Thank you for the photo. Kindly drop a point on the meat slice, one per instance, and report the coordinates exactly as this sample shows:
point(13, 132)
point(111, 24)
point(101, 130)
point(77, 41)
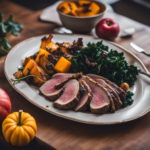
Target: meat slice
point(85, 99)
point(112, 100)
point(48, 88)
point(113, 93)
point(118, 90)
point(74, 76)
point(100, 102)
point(61, 76)
point(70, 96)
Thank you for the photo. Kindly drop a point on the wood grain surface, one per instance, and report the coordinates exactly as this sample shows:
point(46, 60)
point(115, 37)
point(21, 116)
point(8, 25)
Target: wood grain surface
point(65, 134)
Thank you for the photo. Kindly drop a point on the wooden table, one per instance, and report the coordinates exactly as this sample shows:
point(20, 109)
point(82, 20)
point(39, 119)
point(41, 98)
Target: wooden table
point(65, 134)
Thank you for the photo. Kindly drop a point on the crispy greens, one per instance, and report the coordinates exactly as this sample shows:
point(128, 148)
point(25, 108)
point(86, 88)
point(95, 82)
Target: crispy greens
point(113, 67)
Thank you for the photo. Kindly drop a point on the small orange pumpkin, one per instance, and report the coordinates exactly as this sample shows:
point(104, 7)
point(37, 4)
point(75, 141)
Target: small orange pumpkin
point(19, 128)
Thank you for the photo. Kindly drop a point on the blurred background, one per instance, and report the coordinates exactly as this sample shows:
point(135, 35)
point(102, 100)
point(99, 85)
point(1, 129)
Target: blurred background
point(138, 10)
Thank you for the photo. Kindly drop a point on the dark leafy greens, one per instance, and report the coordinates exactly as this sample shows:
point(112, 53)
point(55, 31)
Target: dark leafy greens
point(4, 46)
point(8, 25)
point(128, 100)
point(114, 67)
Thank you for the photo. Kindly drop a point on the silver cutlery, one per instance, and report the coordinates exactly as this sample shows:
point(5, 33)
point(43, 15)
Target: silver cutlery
point(127, 32)
point(139, 49)
point(142, 72)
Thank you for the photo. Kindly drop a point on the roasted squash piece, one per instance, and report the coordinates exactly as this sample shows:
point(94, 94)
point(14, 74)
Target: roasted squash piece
point(64, 47)
point(45, 65)
point(41, 52)
point(28, 67)
point(84, 3)
point(47, 41)
point(18, 74)
point(63, 7)
point(27, 59)
point(68, 8)
point(39, 72)
point(63, 65)
point(93, 9)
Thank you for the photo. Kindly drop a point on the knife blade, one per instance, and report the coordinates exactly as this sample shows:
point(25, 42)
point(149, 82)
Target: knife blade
point(137, 48)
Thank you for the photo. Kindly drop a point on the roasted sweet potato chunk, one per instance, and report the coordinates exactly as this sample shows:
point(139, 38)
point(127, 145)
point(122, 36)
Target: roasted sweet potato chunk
point(47, 42)
point(45, 65)
point(41, 52)
point(39, 72)
point(28, 67)
point(18, 74)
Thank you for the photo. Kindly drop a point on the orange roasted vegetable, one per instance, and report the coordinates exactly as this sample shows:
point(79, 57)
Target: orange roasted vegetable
point(19, 128)
point(84, 3)
point(45, 65)
point(18, 74)
point(92, 10)
point(41, 52)
point(28, 67)
point(68, 8)
point(86, 8)
point(39, 72)
point(26, 60)
point(47, 41)
point(63, 65)
point(64, 47)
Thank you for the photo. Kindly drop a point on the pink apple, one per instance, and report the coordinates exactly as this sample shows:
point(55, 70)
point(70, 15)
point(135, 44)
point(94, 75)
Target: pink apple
point(107, 29)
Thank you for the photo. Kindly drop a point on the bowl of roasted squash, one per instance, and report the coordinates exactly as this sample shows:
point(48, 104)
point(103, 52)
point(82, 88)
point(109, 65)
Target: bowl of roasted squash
point(81, 16)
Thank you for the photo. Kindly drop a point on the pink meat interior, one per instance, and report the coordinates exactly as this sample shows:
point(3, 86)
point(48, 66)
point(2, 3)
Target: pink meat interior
point(101, 82)
point(70, 92)
point(82, 100)
point(48, 87)
point(92, 76)
point(100, 98)
point(62, 76)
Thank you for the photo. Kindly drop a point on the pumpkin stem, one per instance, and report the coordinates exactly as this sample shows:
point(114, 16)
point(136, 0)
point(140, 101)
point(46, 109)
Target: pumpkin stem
point(19, 122)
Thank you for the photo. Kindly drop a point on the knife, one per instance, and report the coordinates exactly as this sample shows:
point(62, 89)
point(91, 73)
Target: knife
point(139, 49)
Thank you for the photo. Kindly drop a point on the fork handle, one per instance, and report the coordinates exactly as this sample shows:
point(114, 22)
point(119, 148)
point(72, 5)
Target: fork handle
point(142, 72)
point(146, 53)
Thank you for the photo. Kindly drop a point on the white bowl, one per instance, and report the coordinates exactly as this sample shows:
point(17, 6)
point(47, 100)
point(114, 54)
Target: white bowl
point(82, 24)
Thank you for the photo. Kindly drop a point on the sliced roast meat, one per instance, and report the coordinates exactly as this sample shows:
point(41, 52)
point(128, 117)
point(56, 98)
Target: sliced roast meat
point(48, 88)
point(118, 90)
point(85, 99)
point(74, 76)
point(112, 100)
point(113, 93)
point(100, 102)
point(61, 76)
point(70, 97)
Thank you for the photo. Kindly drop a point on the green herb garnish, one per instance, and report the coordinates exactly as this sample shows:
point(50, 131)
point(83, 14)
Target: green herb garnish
point(8, 25)
point(20, 68)
point(20, 79)
point(57, 43)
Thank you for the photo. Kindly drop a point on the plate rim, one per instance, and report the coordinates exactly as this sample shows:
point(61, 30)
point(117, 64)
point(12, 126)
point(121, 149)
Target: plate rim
point(66, 117)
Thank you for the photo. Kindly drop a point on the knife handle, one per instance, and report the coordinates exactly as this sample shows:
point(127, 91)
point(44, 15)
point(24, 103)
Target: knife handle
point(146, 53)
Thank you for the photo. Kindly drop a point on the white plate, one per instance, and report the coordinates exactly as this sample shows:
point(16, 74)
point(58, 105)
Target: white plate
point(141, 90)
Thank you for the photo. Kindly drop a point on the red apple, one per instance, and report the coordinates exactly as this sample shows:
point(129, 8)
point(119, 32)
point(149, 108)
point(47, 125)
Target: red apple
point(5, 105)
point(107, 29)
